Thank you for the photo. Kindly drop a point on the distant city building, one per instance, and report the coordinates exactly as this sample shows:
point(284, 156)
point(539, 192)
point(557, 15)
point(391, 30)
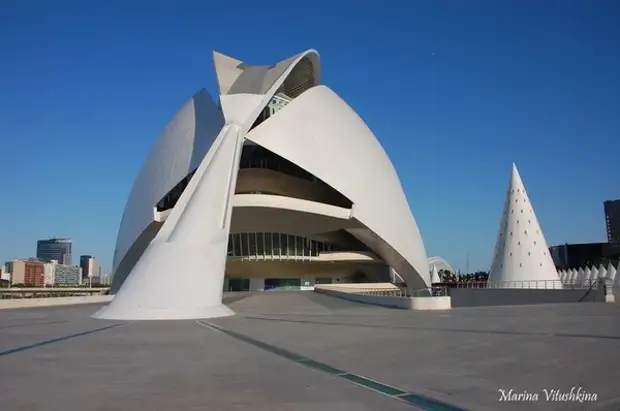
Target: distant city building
point(49, 272)
point(5, 275)
point(105, 279)
point(90, 267)
point(28, 272)
point(612, 220)
point(58, 249)
point(67, 274)
point(577, 255)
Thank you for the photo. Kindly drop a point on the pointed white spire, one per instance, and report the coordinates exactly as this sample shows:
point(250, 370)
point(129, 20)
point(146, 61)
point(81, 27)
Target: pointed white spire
point(581, 274)
point(227, 70)
point(521, 252)
point(575, 275)
point(602, 271)
point(594, 273)
point(587, 274)
point(611, 273)
point(435, 275)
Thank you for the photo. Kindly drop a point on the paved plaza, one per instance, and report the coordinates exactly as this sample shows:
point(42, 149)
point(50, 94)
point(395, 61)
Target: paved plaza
point(303, 351)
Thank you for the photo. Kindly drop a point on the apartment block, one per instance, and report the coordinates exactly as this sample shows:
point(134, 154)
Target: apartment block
point(28, 272)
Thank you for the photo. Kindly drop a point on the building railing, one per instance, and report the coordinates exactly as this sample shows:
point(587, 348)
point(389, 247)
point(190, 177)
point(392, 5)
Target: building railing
point(530, 284)
point(404, 292)
point(19, 293)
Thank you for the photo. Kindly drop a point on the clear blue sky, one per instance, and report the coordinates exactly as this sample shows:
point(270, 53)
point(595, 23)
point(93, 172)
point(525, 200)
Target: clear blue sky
point(455, 91)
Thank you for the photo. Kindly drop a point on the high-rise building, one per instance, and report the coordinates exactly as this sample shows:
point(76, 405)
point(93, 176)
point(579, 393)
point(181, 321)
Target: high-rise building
point(90, 266)
point(612, 220)
point(58, 249)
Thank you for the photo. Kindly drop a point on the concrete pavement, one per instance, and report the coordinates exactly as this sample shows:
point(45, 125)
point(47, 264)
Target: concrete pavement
point(280, 352)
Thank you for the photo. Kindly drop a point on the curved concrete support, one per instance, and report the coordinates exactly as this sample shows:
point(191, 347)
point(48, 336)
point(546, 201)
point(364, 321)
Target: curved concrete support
point(189, 249)
point(180, 148)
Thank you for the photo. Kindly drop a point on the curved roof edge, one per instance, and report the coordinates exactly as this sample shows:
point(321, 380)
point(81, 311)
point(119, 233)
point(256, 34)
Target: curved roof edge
point(440, 263)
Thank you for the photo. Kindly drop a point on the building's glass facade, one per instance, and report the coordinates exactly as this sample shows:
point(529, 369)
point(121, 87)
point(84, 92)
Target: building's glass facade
point(58, 249)
point(274, 246)
point(612, 220)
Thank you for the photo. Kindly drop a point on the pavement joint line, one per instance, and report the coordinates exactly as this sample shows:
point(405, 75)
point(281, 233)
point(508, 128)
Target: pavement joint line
point(31, 324)
point(440, 329)
point(420, 402)
point(58, 339)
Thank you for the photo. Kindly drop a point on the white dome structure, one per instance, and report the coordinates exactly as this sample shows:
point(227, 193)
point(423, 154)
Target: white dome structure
point(281, 170)
point(521, 258)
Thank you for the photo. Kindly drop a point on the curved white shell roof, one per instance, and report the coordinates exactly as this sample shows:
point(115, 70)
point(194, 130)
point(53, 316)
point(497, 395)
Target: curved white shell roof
point(180, 148)
point(317, 131)
point(521, 252)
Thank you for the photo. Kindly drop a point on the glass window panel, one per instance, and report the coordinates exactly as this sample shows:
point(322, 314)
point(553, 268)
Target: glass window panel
point(252, 242)
point(237, 244)
point(246, 244)
point(276, 244)
point(283, 244)
point(268, 244)
point(291, 245)
point(230, 245)
point(260, 244)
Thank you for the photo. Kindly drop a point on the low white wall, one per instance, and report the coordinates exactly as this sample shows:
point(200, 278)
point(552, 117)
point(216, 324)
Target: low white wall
point(53, 301)
point(356, 287)
point(405, 303)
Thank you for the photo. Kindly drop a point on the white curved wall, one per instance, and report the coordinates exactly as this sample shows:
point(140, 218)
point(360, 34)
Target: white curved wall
point(320, 133)
point(180, 148)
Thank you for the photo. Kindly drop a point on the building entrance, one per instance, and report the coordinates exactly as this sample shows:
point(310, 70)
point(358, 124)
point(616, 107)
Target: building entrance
point(239, 284)
point(274, 284)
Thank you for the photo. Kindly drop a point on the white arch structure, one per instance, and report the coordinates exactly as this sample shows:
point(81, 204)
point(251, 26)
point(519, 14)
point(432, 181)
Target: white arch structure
point(440, 263)
point(171, 264)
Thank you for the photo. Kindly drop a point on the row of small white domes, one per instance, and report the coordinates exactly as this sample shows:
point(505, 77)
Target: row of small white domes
point(590, 274)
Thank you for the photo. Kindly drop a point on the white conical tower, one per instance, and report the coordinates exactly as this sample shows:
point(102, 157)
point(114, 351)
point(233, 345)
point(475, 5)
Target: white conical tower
point(521, 257)
point(611, 272)
point(435, 275)
point(602, 271)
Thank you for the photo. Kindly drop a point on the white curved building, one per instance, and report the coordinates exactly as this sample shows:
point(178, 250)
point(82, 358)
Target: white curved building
point(280, 184)
point(521, 258)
